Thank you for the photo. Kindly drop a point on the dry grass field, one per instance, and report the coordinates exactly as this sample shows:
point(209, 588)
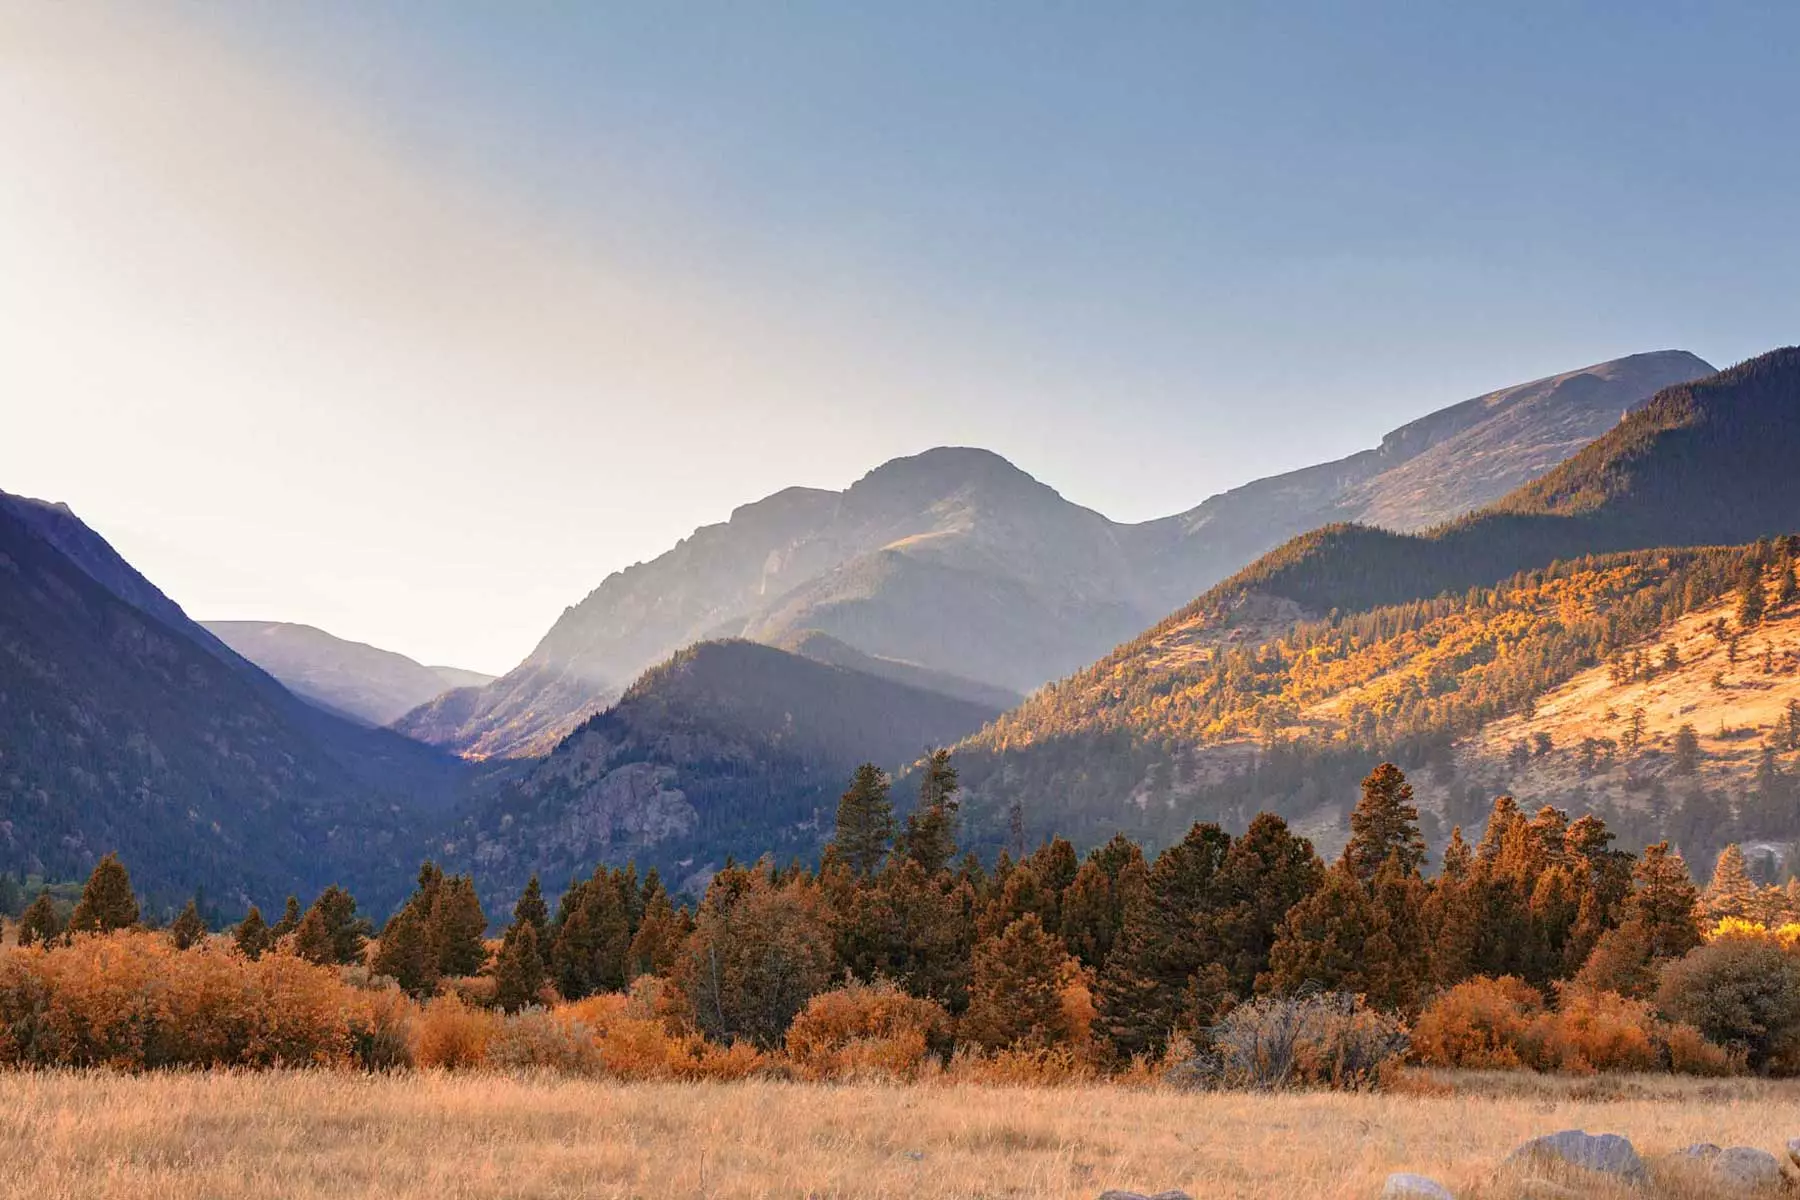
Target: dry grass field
point(413, 1136)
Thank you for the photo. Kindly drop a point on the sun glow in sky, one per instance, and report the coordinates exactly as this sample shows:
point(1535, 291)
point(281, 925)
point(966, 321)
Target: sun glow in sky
point(413, 322)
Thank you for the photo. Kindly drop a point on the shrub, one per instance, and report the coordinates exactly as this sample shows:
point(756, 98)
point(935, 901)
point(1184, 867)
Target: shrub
point(381, 1027)
point(1478, 1024)
point(1741, 991)
point(131, 1001)
point(537, 1039)
point(1325, 1040)
point(450, 1034)
point(863, 1029)
point(1597, 1031)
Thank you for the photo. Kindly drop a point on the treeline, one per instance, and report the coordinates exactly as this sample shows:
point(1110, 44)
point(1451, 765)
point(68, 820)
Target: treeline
point(1108, 960)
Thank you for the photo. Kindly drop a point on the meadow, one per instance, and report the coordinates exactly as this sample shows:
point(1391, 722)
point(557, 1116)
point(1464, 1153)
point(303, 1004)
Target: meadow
point(443, 1135)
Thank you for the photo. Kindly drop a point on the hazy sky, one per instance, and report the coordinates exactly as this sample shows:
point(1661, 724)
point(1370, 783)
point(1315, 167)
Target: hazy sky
point(414, 321)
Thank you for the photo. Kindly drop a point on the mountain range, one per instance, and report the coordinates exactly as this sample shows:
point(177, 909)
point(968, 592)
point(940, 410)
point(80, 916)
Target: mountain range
point(712, 701)
point(956, 562)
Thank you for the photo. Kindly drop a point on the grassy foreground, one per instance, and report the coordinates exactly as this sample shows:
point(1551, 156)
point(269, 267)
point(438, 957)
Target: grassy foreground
point(435, 1135)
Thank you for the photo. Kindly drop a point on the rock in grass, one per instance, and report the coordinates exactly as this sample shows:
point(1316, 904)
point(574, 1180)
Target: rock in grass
point(1794, 1150)
point(1168, 1195)
point(1700, 1150)
point(1602, 1153)
point(1747, 1169)
point(1404, 1186)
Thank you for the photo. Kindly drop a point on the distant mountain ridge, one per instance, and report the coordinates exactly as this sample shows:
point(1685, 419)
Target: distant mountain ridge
point(954, 561)
point(368, 683)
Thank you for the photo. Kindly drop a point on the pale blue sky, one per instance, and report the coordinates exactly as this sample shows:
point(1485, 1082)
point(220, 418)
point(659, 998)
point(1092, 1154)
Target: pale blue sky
point(413, 321)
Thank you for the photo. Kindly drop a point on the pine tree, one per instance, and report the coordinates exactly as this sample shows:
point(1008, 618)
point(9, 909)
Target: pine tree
point(1452, 915)
point(1750, 604)
point(289, 923)
point(253, 937)
point(1324, 941)
point(1265, 873)
point(1385, 823)
point(40, 924)
point(1687, 750)
point(331, 932)
point(865, 822)
point(1015, 988)
point(456, 927)
point(519, 968)
point(1787, 589)
point(657, 942)
point(406, 953)
point(107, 902)
point(531, 909)
point(1156, 982)
point(1397, 958)
point(1731, 892)
point(931, 829)
point(188, 929)
point(1664, 903)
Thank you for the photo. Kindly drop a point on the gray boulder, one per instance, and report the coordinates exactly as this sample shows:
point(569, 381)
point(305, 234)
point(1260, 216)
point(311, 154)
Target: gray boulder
point(1602, 1153)
point(1404, 1186)
point(1700, 1150)
point(1747, 1168)
point(1794, 1150)
point(1172, 1194)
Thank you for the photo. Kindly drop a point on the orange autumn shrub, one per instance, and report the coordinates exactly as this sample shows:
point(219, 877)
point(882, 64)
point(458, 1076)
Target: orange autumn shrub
point(1480, 1023)
point(450, 1034)
point(131, 1001)
point(1596, 1031)
point(1691, 1054)
point(864, 1029)
point(537, 1039)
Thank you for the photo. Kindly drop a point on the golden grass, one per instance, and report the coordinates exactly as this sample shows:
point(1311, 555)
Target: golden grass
point(430, 1134)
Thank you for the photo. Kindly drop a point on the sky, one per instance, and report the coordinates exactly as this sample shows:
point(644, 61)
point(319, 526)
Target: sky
point(413, 321)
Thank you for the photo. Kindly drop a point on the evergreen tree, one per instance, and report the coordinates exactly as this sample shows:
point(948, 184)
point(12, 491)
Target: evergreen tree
point(519, 968)
point(911, 928)
point(253, 937)
point(289, 923)
point(331, 932)
point(1093, 905)
point(657, 942)
point(1687, 750)
point(107, 902)
point(1731, 892)
point(40, 925)
point(188, 929)
point(406, 953)
point(1157, 979)
point(1787, 589)
point(1324, 941)
point(1396, 957)
point(591, 938)
point(1385, 823)
point(1265, 873)
point(456, 927)
point(1452, 915)
point(1015, 989)
point(1750, 602)
point(865, 822)
point(531, 909)
point(931, 829)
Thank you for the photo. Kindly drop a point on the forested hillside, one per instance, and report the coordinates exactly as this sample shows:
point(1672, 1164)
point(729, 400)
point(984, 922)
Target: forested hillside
point(1254, 709)
point(729, 748)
